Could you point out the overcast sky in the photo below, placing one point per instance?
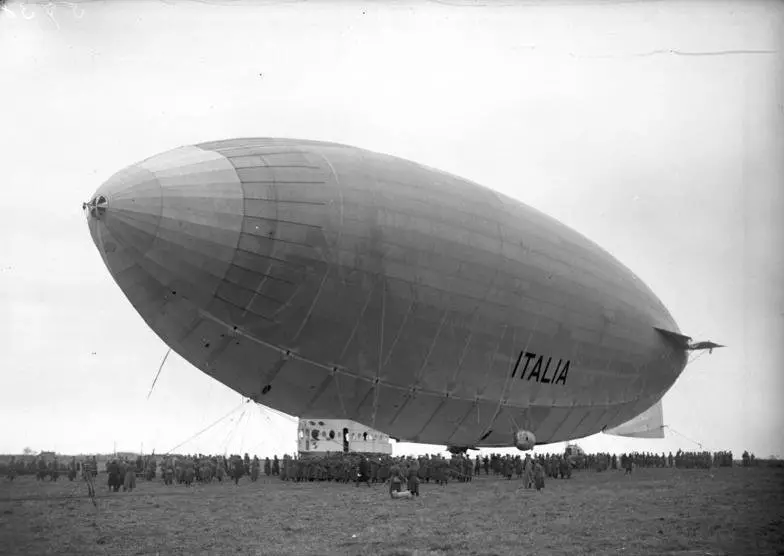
(655, 129)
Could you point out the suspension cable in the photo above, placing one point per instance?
(207, 428)
(687, 438)
(160, 368)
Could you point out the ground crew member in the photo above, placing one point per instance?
(114, 475)
(413, 477)
(363, 471)
(237, 468)
(538, 475)
(528, 471)
(130, 478)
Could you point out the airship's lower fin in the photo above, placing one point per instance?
(648, 424)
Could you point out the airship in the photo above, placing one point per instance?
(327, 281)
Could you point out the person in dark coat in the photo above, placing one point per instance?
(129, 482)
(114, 475)
(238, 467)
(538, 475)
(395, 480)
(122, 469)
(363, 471)
(413, 477)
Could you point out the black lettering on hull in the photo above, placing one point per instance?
(536, 371)
(514, 370)
(559, 375)
(562, 377)
(544, 379)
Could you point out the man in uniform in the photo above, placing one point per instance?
(538, 475)
(130, 477)
(363, 471)
(528, 469)
(237, 468)
(413, 477)
(395, 480)
(41, 469)
(565, 468)
(114, 481)
(88, 476)
(188, 471)
(167, 471)
(254, 469)
(11, 475)
(123, 470)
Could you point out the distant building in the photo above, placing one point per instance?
(319, 436)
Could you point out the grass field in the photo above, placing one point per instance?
(656, 511)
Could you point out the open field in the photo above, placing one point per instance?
(656, 511)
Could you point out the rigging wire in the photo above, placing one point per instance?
(245, 431)
(233, 431)
(224, 444)
(276, 429)
(160, 368)
(687, 438)
(269, 421)
(207, 428)
(693, 359)
(209, 399)
(278, 413)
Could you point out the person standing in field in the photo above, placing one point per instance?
(130, 478)
(529, 471)
(394, 479)
(363, 471)
(237, 467)
(413, 477)
(538, 475)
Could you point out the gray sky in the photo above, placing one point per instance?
(655, 129)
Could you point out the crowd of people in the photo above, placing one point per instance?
(679, 460)
(401, 473)
(405, 471)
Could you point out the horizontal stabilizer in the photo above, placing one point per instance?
(705, 345)
(648, 424)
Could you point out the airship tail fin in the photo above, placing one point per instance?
(648, 424)
(684, 342)
(678, 339)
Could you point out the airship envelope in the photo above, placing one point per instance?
(331, 282)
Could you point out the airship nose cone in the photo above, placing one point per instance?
(125, 212)
(169, 226)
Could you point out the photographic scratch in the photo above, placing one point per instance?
(646, 54)
(676, 52)
(706, 53)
